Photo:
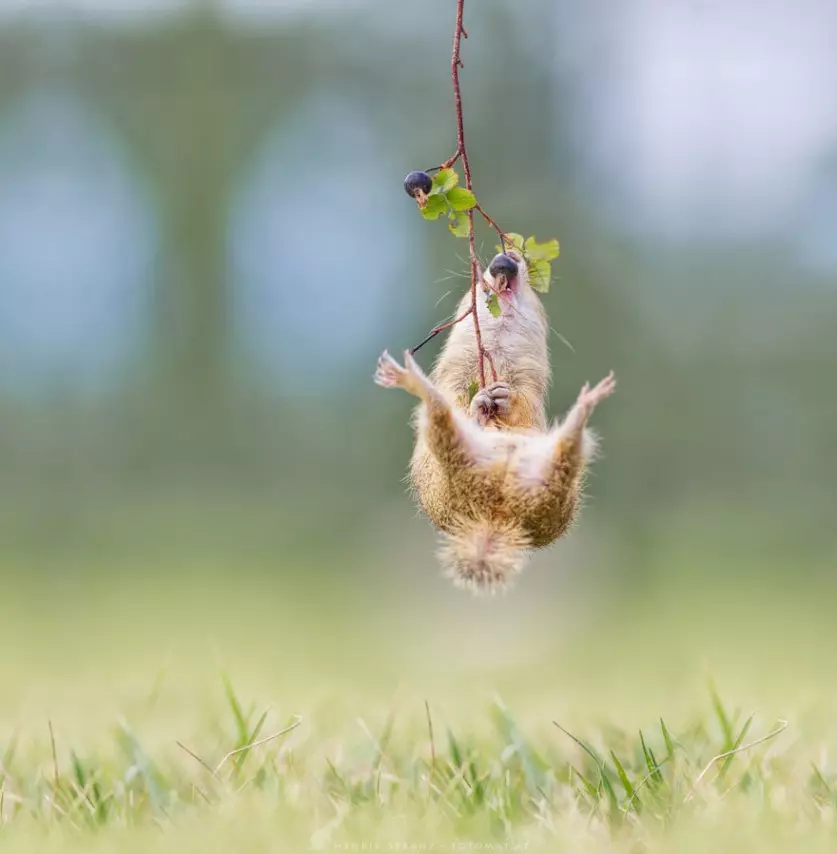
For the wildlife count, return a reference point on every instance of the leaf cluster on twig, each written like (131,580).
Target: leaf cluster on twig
(442,196)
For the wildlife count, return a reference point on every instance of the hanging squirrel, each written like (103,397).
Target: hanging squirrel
(490,473)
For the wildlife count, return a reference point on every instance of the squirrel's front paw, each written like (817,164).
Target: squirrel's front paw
(492,401)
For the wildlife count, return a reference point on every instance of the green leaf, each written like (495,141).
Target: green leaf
(459,225)
(444,180)
(242,756)
(455,751)
(668,739)
(540,273)
(818,777)
(609,791)
(623,777)
(651,761)
(591,789)
(535,251)
(513,241)
(494,305)
(435,207)
(735,746)
(473,388)
(604,779)
(460,199)
(723,718)
(237,711)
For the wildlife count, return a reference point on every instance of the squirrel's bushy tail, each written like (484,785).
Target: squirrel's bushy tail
(483,556)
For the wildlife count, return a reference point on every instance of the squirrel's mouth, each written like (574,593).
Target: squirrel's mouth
(506,286)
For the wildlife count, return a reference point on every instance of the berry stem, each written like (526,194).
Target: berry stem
(442,327)
(500,233)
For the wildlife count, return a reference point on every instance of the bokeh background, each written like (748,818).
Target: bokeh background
(204,245)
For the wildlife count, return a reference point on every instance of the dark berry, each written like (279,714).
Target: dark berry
(503,265)
(417,182)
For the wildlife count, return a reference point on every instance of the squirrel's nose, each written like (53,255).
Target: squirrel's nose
(503,265)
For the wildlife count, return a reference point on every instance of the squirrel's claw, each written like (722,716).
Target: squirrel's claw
(589,398)
(389,374)
(491,401)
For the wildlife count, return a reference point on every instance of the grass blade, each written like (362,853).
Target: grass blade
(723,719)
(651,761)
(455,751)
(623,777)
(238,713)
(738,741)
(604,779)
(591,789)
(668,740)
(251,739)
(819,778)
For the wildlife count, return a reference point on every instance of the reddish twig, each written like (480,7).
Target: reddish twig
(490,361)
(477,331)
(461,153)
(441,328)
(500,233)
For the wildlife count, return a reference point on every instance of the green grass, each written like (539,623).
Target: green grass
(216,721)
(413,780)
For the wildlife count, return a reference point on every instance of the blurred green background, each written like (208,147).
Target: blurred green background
(204,245)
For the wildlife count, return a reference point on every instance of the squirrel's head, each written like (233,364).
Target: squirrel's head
(508,276)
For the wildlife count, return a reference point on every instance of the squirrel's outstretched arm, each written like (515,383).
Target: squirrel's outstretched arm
(445,436)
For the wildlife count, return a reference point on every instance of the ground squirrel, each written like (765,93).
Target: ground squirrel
(490,473)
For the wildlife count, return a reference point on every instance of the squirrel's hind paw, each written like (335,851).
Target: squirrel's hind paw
(389,374)
(589,398)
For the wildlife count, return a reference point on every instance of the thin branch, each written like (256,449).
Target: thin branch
(477,330)
(455,65)
(491,364)
(448,163)
(500,233)
(461,153)
(441,328)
